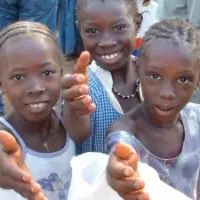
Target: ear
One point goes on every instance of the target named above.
(61, 71)
(77, 24)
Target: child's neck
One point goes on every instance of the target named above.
(30, 127)
(125, 75)
(125, 84)
(45, 136)
(156, 122)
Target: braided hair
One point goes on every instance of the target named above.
(27, 28)
(177, 32)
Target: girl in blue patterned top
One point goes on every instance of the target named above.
(164, 129)
(108, 29)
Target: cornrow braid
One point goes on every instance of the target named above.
(178, 32)
(23, 28)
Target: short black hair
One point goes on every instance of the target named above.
(130, 4)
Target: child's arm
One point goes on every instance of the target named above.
(13, 172)
(78, 104)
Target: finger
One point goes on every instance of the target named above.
(75, 92)
(40, 196)
(10, 168)
(117, 169)
(80, 103)
(33, 192)
(20, 187)
(8, 141)
(137, 196)
(82, 63)
(126, 154)
(129, 185)
(86, 110)
(68, 80)
(17, 174)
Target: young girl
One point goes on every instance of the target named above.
(108, 29)
(164, 128)
(30, 76)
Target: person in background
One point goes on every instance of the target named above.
(69, 37)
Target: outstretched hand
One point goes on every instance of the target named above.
(13, 172)
(122, 173)
(75, 87)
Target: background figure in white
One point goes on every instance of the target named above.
(149, 14)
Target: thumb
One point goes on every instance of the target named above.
(8, 141)
(82, 64)
(11, 146)
(126, 154)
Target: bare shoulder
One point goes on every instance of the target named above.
(126, 122)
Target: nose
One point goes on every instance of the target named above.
(35, 87)
(167, 91)
(107, 40)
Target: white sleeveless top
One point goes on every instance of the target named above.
(51, 170)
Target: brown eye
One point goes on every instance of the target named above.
(155, 76)
(183, 79)
(92, 31)
(48, 73)
(120, 27)
(18, 77)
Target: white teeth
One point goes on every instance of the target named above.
(38, 105)
(110, 56)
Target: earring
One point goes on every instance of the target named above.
(196, 89)
(2, 91)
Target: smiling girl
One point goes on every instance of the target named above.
(108, 29)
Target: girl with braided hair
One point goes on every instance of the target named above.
(164, 128)
(31, 69)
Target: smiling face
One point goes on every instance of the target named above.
(30, 75)
(168, 77)
(108, 32)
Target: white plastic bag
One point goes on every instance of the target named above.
(89, 180)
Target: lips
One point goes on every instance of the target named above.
(165, 110)
(37, 107)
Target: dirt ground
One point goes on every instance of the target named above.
(68, 68)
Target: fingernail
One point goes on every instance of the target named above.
(26, 178)
(83, 89)
(141, 197)
(33, 190)
(136, 185)
(128, 172)
(79, 78)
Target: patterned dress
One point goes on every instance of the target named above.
(182, 171)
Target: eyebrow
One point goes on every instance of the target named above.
(23, 69)
(154, 67)
(89, 22)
